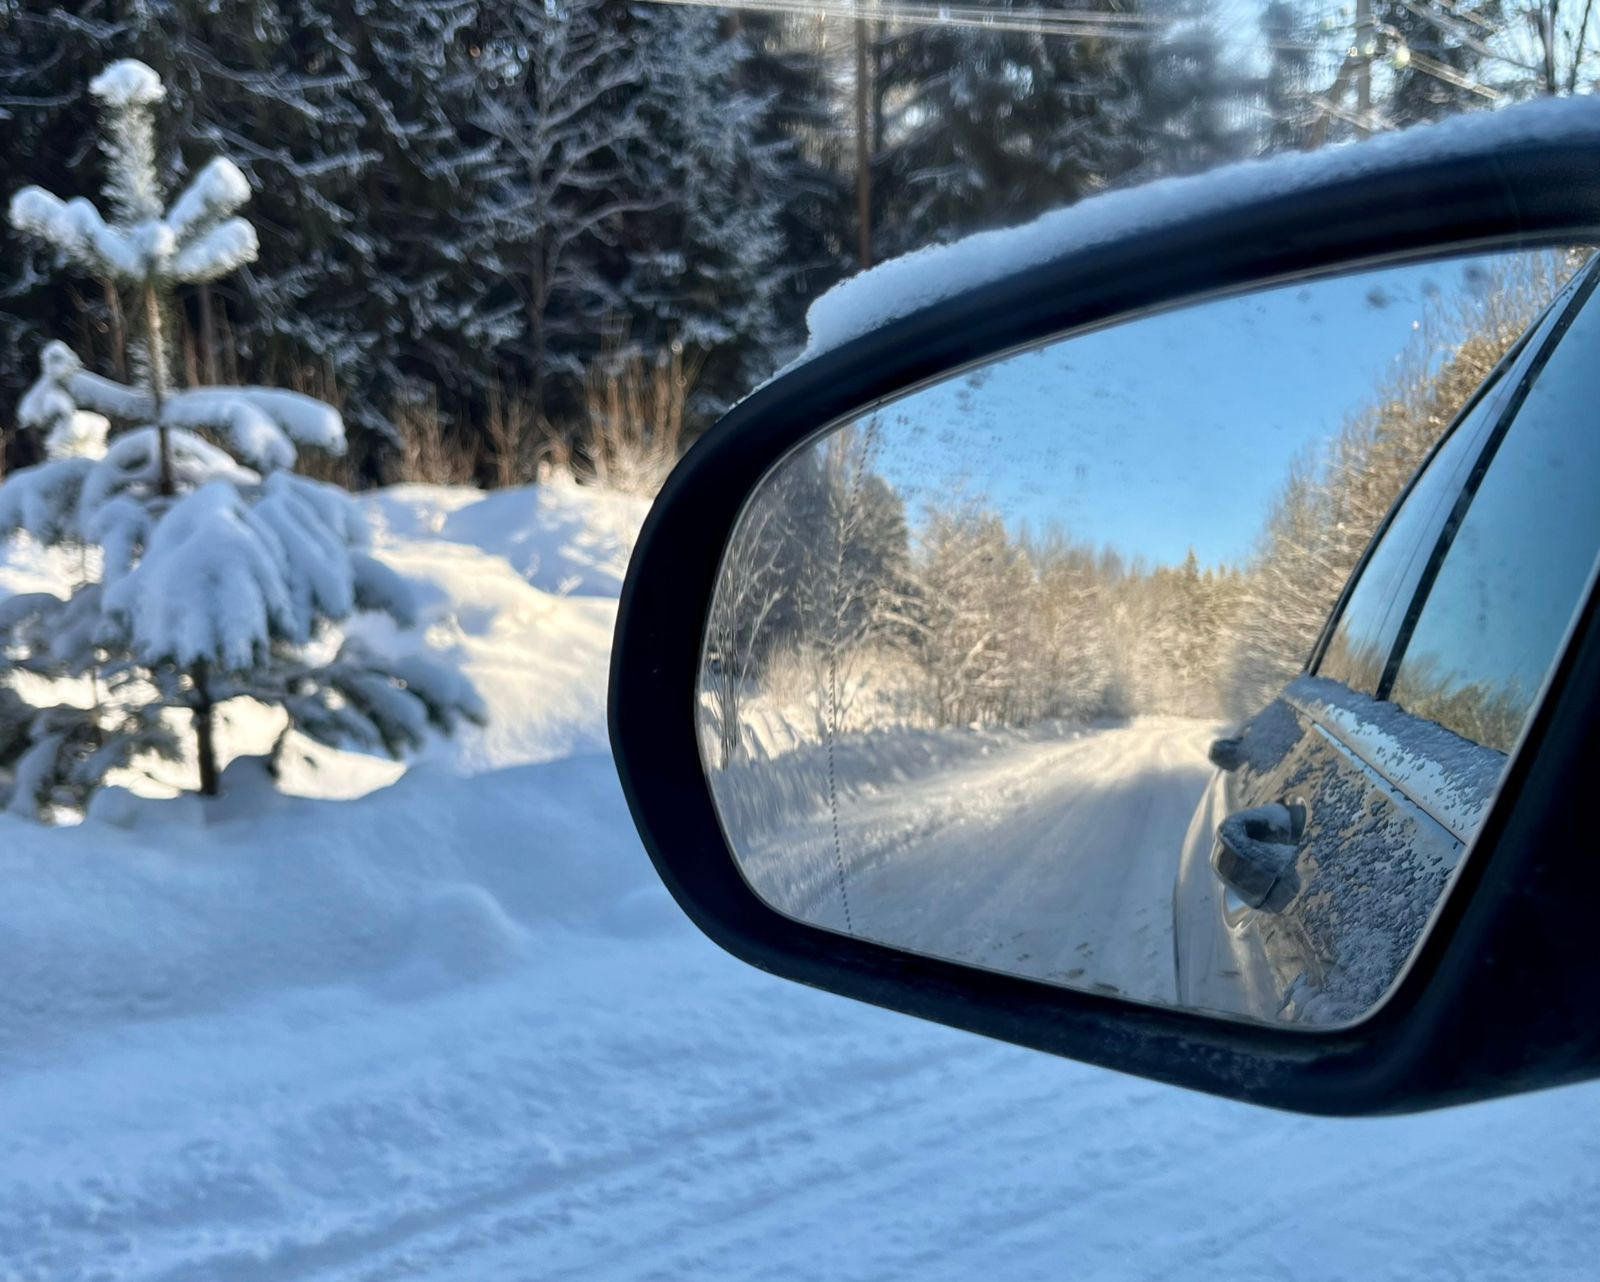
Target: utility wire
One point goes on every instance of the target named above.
(1060, 22)
(1097, 24)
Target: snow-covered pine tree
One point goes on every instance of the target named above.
(216, 572)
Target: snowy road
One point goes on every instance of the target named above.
(1053, 858)
(630, 1104)
(456, 1031)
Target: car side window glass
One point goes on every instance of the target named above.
(1494, 619)
(1359, 647)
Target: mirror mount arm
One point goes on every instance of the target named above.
(1227, 754)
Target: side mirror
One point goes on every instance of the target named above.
(963, 668)
(1226, 753)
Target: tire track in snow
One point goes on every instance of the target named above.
(491, 1192)
(846, 1151)
(1052, 860)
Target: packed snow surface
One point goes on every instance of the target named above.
(908, 284)
(454, 1029)
(1050, 853)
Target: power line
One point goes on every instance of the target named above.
(1085, 23)
(1075, 23)
(1096, 24)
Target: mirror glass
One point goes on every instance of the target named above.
(1179, 659)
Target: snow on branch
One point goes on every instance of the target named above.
(260, 423)
(129, 83)
(313, 551)
(196, 240)
(83, 435)
(132, 466)
(442, 688)
(364, 701)
(217, 191)
(225, 575)
(65, 387)
(224, 249)
(208, 588)
(42, 501)
(380, 589)
(75, 229)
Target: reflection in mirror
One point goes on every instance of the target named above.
(1014, 670)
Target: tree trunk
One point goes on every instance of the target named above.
(156, 353)
(863, 153)
(536, 340)
(1364, 38)
(727, 717)
(119, 331)
(205, 733)
(208, 338)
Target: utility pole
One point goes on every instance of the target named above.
(863, 151)
(1364, 49)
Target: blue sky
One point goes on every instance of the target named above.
(1169, 431)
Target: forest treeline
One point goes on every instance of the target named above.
(827, 603)
(485, 224)
(830, 600)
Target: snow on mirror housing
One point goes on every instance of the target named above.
(919, 696)
(969, 651)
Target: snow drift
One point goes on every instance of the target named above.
(161, 907)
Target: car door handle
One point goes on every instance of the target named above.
(1255, 853)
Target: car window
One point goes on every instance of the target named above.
(1493, 621)
(1370, 621)
(1360, 645)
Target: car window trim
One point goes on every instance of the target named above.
(1565, 302)
(1445, 540)
(1369, 749)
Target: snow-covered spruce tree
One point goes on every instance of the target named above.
(561, 99)
(211, 570)
(806, 140)
(704, 259)
(984, 128)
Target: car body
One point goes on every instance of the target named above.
(1343, 808)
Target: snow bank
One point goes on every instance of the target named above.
(918, 280)
(165, 908)
(561, 538)
(161, 908)
(519, 588)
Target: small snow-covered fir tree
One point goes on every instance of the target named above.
(211, 570)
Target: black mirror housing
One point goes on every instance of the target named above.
(1500, 997)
